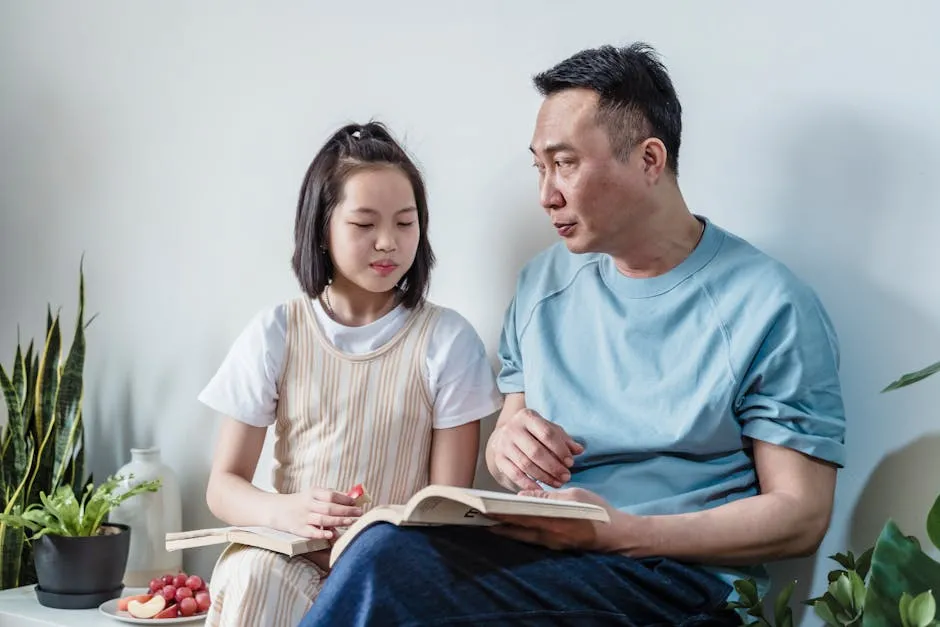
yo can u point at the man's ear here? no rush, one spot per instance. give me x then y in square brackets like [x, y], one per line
[653, 155]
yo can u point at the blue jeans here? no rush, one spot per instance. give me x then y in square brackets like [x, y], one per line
[469, 576]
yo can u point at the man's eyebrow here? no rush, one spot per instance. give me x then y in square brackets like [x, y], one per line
[554, 147]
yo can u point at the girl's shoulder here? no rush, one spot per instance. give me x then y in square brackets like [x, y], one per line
[453, 336]
[461, 380]
[449, 321]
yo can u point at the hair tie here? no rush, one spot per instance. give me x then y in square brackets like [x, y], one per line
[357, 134]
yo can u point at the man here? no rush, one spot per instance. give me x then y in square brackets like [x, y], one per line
[652, 363]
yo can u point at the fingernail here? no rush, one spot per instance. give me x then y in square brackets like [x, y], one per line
[566, 476]
[569, 461]
[347, 521]
[357, 511]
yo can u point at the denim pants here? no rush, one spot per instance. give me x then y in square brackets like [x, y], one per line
[467, 576]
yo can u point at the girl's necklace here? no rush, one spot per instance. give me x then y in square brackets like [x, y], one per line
[329, 305]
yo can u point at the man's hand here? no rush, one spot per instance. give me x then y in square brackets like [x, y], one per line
[560, 533]
[526, 448]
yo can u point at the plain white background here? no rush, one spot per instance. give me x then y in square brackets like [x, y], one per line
[167, 141]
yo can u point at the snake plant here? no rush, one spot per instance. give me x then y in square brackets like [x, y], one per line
[42, 447]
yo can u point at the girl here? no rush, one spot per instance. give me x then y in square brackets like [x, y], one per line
[363, 379]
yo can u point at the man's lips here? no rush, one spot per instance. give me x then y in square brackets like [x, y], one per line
[564, 228]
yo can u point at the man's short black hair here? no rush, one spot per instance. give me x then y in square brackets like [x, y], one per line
[351, 149]
[636, 97]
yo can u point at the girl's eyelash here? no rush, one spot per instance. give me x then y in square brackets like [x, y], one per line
[405, 223]
[361, 226]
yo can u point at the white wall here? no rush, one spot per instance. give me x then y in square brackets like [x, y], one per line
[167, 142]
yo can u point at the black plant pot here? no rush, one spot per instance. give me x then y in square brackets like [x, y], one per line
[81, 572]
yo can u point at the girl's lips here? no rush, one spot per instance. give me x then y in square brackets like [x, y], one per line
[383, 269]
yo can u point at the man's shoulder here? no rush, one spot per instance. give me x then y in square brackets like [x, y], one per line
[746, 273]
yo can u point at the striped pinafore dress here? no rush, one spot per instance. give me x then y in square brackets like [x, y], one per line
[341, 420]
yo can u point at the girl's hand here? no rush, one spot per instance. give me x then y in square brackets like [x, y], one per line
[314, 513]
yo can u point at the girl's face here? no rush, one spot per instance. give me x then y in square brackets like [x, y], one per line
[374, 231]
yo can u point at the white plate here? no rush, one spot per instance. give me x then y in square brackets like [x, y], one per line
[109, 608]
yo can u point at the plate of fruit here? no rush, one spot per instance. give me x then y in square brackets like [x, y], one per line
[178, 598]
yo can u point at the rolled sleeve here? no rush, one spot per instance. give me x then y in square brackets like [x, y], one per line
[791, 395]
[510, 379]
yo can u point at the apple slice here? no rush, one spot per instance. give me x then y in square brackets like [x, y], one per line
[140, 598]
[359, 494]
[171, 611]
[148, 609]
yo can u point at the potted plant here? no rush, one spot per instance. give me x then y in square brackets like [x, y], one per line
[892, 584]
[42, 446]
[79, 557]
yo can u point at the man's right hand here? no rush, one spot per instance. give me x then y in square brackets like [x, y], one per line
[527, 448]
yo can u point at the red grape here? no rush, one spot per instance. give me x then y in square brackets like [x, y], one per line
[169, 593]
[203, 601]
[188, 606]
[180, 580]
[167, 580]
[156, 585]
[183, 593]
[195, 583]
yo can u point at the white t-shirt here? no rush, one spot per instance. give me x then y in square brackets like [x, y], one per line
[460, 378]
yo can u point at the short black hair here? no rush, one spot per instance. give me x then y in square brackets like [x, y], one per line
[351, 149]
[636, 97]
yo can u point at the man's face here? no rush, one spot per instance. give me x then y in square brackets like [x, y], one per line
[591, 196]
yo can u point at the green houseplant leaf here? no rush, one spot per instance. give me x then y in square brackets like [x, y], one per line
[933, 523]
[783, 615]
[62, 514]
[68, 407]
[917, 611]
[897, 566]
[913, 377]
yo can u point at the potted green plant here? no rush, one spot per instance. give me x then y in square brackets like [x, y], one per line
[42, 446]
[46, 500]
[892, 584]
[79, 557]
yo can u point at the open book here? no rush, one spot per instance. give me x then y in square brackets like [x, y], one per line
[433, 505]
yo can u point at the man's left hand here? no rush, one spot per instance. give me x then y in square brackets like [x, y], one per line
[563, 533]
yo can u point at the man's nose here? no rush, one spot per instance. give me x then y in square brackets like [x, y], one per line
[549, 196]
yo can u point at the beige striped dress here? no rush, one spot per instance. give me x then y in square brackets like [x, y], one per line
[341, 420]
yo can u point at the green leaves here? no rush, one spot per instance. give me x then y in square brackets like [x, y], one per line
[783, 615]
[933, 523]
[913, 377]
[898, 566]
[62, 514]
[42, 447]
[917, 611]
[753, 605]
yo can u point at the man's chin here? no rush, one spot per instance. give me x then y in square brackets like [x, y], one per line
[578, 246]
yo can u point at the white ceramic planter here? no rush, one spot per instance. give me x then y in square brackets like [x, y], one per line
[151, 516]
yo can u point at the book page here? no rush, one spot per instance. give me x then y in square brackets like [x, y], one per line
[487, 495]
[436, 510]
[275, 534]
[491, 502]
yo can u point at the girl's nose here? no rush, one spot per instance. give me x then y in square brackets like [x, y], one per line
[385, 242]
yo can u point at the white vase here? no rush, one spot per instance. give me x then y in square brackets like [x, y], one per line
[150, 515]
